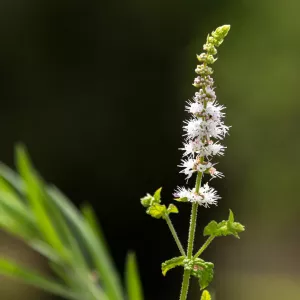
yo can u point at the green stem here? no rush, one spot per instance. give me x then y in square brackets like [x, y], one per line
[174, 233]
[187, 273]
[185, 284]
[205, 245]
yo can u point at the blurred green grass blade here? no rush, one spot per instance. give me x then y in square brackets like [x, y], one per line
[11, 226]
[12, 269]
[46, 250]
[132, 278]
[91, 219]
[36, 197]
[6, 187]
[109, 277]
[17, 210]
[102, 261]
[65, 232]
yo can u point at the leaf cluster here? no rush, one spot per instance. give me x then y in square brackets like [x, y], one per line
[154, 208]
[224, 228]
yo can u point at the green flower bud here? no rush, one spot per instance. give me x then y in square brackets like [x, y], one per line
[210, 48]
[210, 59]
[202, 57]
[204, 70]
[217, 36]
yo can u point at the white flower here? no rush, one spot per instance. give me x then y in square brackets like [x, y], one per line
[196, 146]
[214, 129]
[195, 107]
[213, 111]
[193, 128]
[182, 192]
[206, 196]
[214, 173]
[209, 195]
[192, 165]
[188, 167]
[214, 149]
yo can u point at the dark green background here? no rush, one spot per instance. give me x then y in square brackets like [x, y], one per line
[97, 89]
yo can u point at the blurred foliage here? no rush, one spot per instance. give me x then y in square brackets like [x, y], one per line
[47, 221]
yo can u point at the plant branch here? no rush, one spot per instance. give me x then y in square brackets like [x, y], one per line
[174, 234]
[204, 246]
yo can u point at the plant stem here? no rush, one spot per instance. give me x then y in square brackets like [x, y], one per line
[174, 233]
[204, 246]
[187, 273]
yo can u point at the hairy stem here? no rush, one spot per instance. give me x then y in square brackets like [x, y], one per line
[174, 234]
[187, 273]
[204, 246]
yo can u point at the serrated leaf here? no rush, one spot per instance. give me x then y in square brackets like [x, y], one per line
[157, 211]
[172, 263]
[132, 278]
[205, 295]
[172, 209]
[204, 271]
[224, 228]
[211, 229]
[206, 278]
[157, 195]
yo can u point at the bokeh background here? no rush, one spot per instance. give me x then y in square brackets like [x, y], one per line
[96, 90]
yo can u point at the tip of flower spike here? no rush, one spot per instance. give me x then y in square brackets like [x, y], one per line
[222, 31]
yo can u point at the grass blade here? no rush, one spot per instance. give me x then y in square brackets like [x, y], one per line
[132, 278]
[12, 269]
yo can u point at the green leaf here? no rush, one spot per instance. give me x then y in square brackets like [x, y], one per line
[184, 199]
[98, 252]
[211, 229]
[172, 263]
[202, 270]
[12, 269]
[234, 228]
[157, 195]
[231, 216]
[172, 209]
[224, 228]
[132, 278]
[147, 200]
[91, 219]
[36, 197]
[205, 295]
[13, 208]
[157, 211]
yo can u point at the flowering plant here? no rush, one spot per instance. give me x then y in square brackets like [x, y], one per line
[203, 133]
[71, 239]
